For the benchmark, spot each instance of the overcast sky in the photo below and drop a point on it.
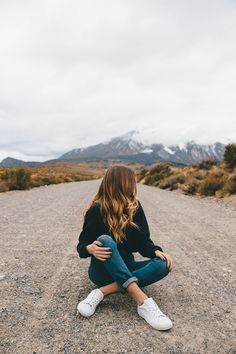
(74, 73)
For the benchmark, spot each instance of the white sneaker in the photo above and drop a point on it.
(150, 311)
(88, 306)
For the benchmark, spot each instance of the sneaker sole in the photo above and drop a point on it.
(159, 329)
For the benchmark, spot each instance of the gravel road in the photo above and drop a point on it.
(42, 276)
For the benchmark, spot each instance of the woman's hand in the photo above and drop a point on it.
(101, 253)
(164, 256)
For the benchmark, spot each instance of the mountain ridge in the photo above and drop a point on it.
(131, 147)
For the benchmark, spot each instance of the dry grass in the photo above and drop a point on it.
(209, 178)
(29, 177)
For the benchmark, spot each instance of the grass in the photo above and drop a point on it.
(209, 178)
(21, 178)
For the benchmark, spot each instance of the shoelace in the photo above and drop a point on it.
(90, 300)
(156, 311)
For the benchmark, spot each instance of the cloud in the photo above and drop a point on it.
(74, 73)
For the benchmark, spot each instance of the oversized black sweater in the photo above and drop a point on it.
(136, 240)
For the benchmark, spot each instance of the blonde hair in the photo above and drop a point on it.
(117, 197)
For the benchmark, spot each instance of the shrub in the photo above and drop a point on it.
(230, 155)
(48, 181)
(174, 186)
(191, 189)
(210, 185)
(160, 168)
(68, 179)
(172, 182)
(230, 185)
(164, 185)
(3, 188)
(199, 175)
(152, 180)
(157, 173)
(4, 174)
(141, 174)
(207, 164)
(219, 174)
(220, 193)
(177, 179)
(19, 179)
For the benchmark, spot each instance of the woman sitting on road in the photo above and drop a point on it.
(114, 227)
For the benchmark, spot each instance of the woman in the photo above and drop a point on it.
(114, 227)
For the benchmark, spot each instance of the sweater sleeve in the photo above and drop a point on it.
(88, 233)
(147, 248)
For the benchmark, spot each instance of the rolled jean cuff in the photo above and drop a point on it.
(129, 281)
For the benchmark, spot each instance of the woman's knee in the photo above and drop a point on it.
(161, 266)
(98, 275)
(106, 240)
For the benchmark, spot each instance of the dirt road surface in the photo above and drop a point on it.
(42, 276)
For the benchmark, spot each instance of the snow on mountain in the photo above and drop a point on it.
(132, 146)
(167, 149)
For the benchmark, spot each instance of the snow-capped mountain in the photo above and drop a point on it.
(132, 147)
(123, 145)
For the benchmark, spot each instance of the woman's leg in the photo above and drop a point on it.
(109, 289)
(99, 276)
(149, 271)
(117, 269)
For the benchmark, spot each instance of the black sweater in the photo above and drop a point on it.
(136, 241)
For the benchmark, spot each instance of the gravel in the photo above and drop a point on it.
(42, 277)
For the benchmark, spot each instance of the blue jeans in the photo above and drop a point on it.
(123, 269)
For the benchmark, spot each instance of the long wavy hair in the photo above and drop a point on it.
(117, 197)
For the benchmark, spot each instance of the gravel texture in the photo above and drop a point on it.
(42, 276)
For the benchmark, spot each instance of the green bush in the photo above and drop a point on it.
(164, 185)
(172, 182)
(140, 175)
(157, 173)
(19, 179)
(230, 156)
(177, 179)
(160, 168)
(207, 164)
(48, 181)
(152, 180)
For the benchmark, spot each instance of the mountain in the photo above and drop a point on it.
(10, 162)
(124, 145)
(131, 147)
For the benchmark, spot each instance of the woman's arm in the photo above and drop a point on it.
(147, 248)
(89, 232)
